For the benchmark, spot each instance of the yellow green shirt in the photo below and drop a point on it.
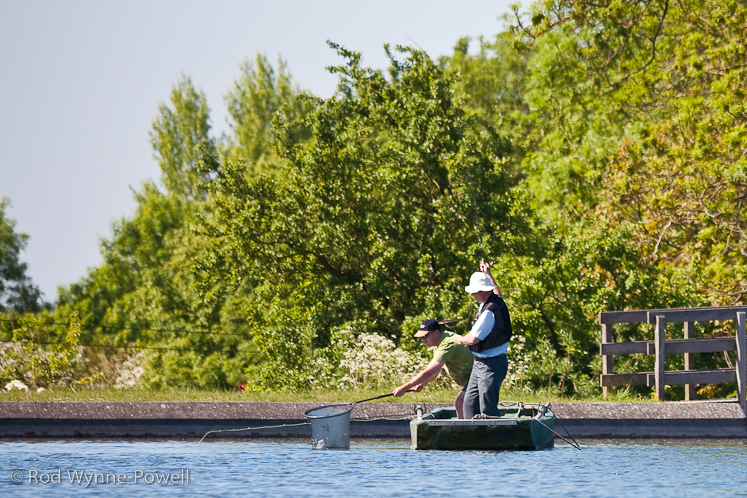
(458, 358)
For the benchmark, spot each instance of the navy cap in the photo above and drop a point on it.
(427, 326)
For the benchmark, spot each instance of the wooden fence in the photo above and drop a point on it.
(687, 346)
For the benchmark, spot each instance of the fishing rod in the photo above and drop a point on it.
(477, 215)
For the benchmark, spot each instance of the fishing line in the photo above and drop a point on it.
(385, 419)
(308, 423)
(477, 215)
(100, 346)
(416, 43)
(136, 329)
(250, 429)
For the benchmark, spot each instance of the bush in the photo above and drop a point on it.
(26, 359)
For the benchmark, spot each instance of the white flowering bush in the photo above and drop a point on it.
(518, 365)
(130, 371)
(375, 361)
(366, 360)
(17, 385)
(6, 361)
(25, 358)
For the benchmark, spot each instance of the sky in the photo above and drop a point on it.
(81, 81)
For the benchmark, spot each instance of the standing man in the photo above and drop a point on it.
(488, 341)
(449, 353)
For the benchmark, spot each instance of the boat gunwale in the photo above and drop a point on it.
(466, 422)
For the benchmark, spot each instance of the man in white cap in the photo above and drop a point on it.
(488, 341)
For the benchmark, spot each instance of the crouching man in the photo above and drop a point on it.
(449, 353)
(488, 341)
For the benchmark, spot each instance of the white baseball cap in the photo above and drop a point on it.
(479, 282)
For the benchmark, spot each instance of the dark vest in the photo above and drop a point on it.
(501, 332)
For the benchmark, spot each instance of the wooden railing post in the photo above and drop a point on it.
(690, 377)
(689, 361)
(608, 366)
(741, 362)
(659, 337)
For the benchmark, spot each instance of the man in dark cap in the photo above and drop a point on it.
(449, 353)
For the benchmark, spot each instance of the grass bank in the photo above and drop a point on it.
(137, 394)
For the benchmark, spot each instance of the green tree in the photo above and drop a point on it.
(17, 292)
(255, 100)
(637, 127)
(366, 226)
(492, 84)
(583, 254)
(660, 132)
(143, 294)
(177, 134)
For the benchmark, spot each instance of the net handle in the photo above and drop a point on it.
(379, 397)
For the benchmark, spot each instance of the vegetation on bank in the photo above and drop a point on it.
(321, 396)
(593, 152)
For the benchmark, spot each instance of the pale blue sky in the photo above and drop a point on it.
(80, 82)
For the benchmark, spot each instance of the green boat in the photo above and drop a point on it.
(520, 427)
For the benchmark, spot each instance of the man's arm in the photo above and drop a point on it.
(468, 340)
(485, 268)
(428, 374)
(480, 330)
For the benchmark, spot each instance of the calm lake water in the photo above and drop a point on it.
(265, 469)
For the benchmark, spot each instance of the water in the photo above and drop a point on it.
(266, 469)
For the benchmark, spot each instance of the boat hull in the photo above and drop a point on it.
(513, 431)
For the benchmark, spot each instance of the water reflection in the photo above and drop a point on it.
(389, 469)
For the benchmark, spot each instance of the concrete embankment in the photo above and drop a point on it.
(21, 420)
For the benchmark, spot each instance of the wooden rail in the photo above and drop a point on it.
(687, 346)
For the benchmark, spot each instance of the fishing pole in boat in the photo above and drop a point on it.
(573, 443)
(541, 411)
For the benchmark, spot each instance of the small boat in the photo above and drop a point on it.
(520, 427)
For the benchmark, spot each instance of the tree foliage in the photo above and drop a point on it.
(17, 292)
(177, 134)
(665, 153)
(639, 109)
(594, 152)
(253, 103)
(368, 224)
(144, 294)
(25, 357)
